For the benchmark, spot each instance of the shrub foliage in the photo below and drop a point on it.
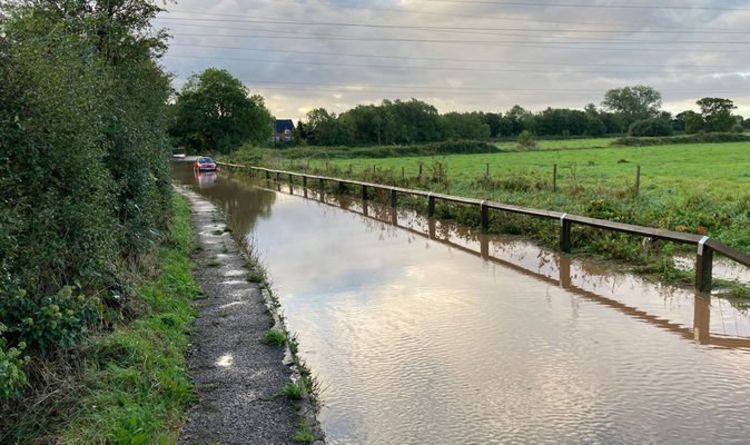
(83, 165)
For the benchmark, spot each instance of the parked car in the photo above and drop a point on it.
(205, 164)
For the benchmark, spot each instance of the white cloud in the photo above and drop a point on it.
(301, 54)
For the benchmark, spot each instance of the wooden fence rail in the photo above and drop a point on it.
(705, 245)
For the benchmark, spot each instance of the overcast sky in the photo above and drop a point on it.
(465, 54)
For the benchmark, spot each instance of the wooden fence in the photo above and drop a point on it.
(705, 246)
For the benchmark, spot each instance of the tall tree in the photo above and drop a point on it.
(633, 103)
(717, 114)
(215, 112)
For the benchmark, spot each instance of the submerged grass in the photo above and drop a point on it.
(129, 385)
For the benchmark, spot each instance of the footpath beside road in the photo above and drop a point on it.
(238, 378)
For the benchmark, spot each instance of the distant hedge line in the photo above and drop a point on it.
(691, 139)
(389, 151)
(84, 170)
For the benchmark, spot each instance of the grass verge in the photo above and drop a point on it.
(130, 384)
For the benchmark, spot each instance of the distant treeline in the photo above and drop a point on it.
(634, 111)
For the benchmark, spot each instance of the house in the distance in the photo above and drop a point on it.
(283, 130)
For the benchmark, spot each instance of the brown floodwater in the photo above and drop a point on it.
(422, 332)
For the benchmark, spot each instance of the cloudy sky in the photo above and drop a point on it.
(465, 54)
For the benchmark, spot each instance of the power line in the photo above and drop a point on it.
(409, 67)
(487, 43)
(568, 40)
(263, 20)
(442, 59)
(482, 89)
(535, 4)
(453, 15)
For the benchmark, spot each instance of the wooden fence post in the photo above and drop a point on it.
(554, 178)
(565, 243)
(268, 174)
(704, 266)
(304, 181)
(637, 180)
(420, 171)
(485, 216)
(487, 171)
(430, 206)
(394, 198)
(291, 179)
(364, 193)
(403, 173)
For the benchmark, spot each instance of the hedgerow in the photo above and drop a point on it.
(83, 168)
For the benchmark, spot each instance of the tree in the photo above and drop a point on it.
(717, 114)
(688, 121)
(215, 113)
(633, 103)
(322, 128)
(494, 122)
(594, 124)
(464, 126)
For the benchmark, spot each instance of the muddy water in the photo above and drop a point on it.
(428, 333)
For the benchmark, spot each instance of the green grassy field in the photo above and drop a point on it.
(720, 171)
(563, 144)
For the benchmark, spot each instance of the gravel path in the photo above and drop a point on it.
(237, 377)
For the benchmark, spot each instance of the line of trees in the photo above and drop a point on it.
(215, 112)
(631, 110)
(84, 169)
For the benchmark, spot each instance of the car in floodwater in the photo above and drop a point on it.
(205, 164)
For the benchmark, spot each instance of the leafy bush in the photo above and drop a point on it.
(12, 377)
(650, 127)
(42, 322)
(526, 140)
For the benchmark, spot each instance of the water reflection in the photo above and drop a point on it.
(205, 179)
(549, 261)
(425, 332)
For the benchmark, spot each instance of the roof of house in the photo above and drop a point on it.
(281, 125)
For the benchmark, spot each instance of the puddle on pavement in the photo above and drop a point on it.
(426, 332)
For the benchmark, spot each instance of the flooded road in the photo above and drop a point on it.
(428, 333)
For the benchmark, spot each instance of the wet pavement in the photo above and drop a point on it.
(426, 332)
(237, 378)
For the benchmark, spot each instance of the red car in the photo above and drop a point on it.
(205, 164)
